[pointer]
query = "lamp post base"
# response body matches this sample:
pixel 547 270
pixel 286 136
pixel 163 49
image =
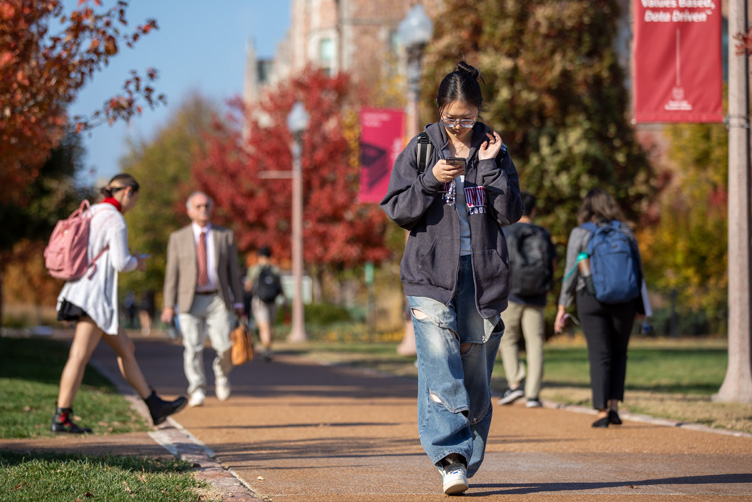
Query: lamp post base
pixel 297 336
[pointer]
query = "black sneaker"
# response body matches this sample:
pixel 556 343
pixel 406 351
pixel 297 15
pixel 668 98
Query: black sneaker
pixel 161 409
pixel 511 395
pixel 533 402
pixel 613 417
pixel 62 422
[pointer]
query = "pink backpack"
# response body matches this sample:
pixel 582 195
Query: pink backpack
pixel 66 255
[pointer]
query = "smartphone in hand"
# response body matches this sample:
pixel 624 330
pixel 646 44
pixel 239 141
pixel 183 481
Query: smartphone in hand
pixel 456 161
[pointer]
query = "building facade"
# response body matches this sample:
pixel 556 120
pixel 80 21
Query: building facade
pixel 354 36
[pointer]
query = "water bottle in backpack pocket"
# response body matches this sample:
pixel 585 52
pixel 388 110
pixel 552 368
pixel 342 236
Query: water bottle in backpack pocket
pixel 614 268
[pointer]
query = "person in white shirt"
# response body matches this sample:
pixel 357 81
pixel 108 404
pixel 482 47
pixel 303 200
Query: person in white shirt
pixel 91 302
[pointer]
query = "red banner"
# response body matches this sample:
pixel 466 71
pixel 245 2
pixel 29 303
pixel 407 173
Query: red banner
pixel 677 61
pixel 381 142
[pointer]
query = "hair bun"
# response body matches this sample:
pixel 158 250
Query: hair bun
pixel 463 66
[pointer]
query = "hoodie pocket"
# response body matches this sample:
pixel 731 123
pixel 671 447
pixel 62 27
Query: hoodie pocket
pixel 492 275
pixel 436 266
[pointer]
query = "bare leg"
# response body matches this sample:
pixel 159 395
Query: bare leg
pixel 265 334
pixel 613 404
pixel 85 339
pixel 145 320
pixel 126 354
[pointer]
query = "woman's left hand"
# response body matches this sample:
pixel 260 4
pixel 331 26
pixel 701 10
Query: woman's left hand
pixel 490 148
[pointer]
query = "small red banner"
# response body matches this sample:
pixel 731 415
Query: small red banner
pixel 381 142
pixel 677 61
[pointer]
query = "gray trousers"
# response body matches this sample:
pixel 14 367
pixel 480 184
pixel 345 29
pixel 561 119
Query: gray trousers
pixel 208 318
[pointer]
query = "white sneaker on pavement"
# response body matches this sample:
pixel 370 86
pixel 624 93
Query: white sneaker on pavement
pixel 454 479
pixel 511 395
pixel 197 398
pixel 222 390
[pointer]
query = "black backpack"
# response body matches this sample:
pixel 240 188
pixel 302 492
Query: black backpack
pixel 530 270
pixel 267 285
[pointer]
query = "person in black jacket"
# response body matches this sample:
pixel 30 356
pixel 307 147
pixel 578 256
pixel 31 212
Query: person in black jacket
pixel 532 261
pixel 455 270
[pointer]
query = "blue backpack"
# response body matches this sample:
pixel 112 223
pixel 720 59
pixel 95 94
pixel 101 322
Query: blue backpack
pixel 613 264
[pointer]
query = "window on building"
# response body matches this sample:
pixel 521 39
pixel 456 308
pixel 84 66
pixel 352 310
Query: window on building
pixel 326 55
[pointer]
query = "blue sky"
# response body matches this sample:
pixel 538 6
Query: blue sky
pixel 199 46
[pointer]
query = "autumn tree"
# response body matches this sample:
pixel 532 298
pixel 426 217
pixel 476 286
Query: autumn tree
pixel 555 91
pixel 46 56
pixel 53 195
pixel 162 167
pixel 686 251
pixel 338 232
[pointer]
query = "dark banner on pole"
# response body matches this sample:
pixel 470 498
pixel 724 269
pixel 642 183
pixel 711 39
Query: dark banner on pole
pixel 677 61
pixel 381 140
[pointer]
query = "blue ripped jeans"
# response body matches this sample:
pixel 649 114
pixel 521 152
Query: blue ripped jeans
pixel 456 354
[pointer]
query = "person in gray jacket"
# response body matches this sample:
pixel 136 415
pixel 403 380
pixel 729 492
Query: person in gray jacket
pixel 455 270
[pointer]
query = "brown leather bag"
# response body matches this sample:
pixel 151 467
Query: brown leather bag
pixel 242 345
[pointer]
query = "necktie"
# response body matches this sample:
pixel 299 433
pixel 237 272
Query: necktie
pixel 203 273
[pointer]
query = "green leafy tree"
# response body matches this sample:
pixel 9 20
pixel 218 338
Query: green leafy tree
pixel 162 167
pixel 686 250
pixel 555 91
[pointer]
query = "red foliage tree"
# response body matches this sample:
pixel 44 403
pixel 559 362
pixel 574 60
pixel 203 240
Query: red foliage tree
pixel 337 231
pixel 43 68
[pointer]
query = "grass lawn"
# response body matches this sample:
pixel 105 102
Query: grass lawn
pixel 30 370
pixel 45 477
pixel 665 377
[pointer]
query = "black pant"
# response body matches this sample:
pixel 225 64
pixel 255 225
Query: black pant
pixel 607 328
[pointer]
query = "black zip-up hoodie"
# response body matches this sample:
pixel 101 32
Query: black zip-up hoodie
pixel 430 263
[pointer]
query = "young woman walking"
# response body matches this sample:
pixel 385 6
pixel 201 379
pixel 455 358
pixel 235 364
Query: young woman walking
pixel 455 270
pixel 91 302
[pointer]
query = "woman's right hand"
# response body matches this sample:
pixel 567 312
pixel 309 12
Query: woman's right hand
pixel 560 320
pixel 445 172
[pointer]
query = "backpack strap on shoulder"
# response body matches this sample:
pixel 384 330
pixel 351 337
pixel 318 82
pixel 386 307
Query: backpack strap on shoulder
pixel 424 151
pixel 590 226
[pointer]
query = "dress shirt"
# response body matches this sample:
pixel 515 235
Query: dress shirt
pixel 211 259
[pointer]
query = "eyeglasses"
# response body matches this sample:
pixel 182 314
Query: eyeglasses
pixel 466 123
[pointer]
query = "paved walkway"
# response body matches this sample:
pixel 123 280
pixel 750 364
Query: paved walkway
pixel 295 430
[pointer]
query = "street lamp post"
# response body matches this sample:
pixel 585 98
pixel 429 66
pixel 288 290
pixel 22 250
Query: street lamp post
pixel 297 123
pixel 414 32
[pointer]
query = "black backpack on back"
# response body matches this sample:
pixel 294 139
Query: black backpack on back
pixel 268 285
pixel 530 270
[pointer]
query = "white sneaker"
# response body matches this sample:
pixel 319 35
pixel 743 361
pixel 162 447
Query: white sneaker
pixel 222 390
pixel 454 477
pixel 197 398
pixel 511 395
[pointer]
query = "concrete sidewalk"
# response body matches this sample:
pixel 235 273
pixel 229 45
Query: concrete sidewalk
pixel 295 430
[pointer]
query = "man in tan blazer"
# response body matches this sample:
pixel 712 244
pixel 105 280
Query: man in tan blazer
pixel 203 279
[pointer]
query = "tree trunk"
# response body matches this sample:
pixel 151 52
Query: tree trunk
pixel 737 386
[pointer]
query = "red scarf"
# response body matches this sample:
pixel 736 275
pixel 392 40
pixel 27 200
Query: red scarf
pixel 114 202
